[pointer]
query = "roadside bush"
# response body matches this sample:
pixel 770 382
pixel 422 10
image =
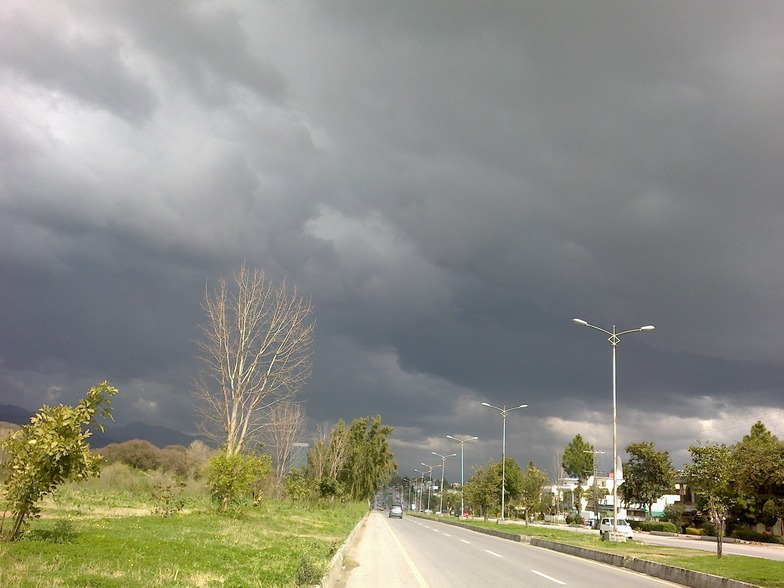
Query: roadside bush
pixel 710 528
pixel 662 526
pixel 749 535
pixel 694 531
pixel 674 513
pixel 309 571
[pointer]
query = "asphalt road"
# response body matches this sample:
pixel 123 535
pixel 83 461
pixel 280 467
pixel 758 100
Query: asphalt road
pixel 426 554
pixel 764 550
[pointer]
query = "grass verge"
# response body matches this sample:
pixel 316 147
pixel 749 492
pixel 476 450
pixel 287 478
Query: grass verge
pixel 91 543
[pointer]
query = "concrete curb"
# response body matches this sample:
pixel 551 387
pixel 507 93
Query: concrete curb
pixel 649 568
pixel 336 564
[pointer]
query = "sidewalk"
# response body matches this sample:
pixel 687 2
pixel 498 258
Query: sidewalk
pixel 377 559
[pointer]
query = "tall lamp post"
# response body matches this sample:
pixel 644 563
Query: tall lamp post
pixel 504 411
pixel 462 441
pixel 614 339
pixel 441 491
pixel 430 486
pixel 418 503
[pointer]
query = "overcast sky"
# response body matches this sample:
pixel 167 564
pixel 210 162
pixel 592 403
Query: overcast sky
pixel 451 182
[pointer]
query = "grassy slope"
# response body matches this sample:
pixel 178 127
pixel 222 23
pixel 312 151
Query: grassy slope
pixel 126 546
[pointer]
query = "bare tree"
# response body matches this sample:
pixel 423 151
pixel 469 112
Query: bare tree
pixel 330 451
pixel 286 425
pixel 256 350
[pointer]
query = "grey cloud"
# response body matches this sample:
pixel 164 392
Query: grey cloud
pixel 452 184
pixel 91 68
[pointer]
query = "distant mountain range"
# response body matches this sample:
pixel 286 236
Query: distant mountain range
pixel 158 436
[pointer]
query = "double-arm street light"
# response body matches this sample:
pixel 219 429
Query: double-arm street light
pixel 430 486
pixel 504 411
pixel 615 338
pixel 443 467
pixel 462 441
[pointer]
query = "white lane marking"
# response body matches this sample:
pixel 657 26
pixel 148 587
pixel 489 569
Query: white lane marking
pixel 447 535
pixel 493 553
pixel 464 541
pixel 549 578
pixel 420 580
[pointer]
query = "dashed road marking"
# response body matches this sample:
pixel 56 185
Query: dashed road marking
pixel 493 553
pixel 557 581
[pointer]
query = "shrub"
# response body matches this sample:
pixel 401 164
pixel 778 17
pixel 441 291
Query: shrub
pixel 174 458
pixel 136 453
pixel 654 526
pixel 749 535
pixel 167 499
pixel 309 572
pixel 694 531
pixel 50 451
pixel 230 478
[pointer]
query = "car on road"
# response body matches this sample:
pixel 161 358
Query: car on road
pixel 623 527
pixel 396 511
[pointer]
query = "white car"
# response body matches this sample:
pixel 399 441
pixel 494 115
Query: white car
pixel 623 527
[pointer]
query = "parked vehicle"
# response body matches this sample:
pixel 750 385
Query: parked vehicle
pixel 623 527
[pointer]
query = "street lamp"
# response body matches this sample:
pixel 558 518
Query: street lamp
pixel 615 338
pixel 443 467
pixel 462 441
pixel 504 411
pixel 419 502
pixel 430 486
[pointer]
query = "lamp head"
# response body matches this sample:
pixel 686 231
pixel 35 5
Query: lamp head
pixel 580 322
pixel 647 328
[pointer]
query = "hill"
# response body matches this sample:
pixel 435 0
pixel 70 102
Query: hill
pixel 158 436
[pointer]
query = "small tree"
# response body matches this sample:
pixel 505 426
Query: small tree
pixel 532 483
pixel 285 427
pixel 481 491
pixel 52 449
pixel 648 474
pixel 759 476
pixel 230 478
pixel 710 475
pixel 513 474
pixel 578 458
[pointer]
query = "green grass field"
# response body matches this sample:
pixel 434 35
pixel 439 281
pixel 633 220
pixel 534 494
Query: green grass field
pixel 94 539
pixel 89 536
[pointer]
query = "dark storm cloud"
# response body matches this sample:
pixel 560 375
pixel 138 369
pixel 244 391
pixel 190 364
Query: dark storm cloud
pixel 451 183
pixel 88 66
